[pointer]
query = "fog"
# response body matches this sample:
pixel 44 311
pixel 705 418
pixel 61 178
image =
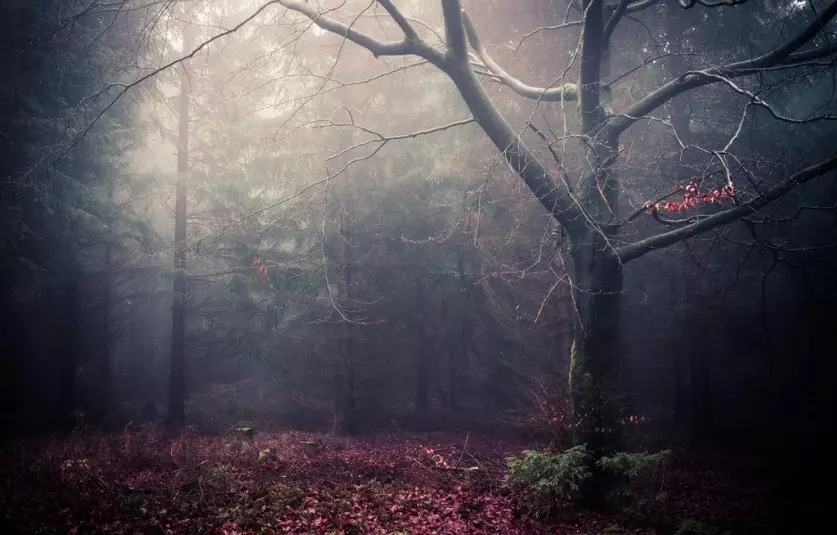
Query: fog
pixel 473 228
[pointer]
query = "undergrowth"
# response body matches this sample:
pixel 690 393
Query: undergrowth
pixel 545 480
pixel 141 480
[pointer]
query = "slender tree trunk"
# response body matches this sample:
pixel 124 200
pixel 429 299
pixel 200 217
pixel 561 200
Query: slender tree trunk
pixel 678 358
pixel 422 397
pixel 105 341
pixel 177 396
pixel 450 397
pixel 70 313
pixel 134 356
pixel 460 363
pixel 422 394
pixel 453 389
pixel 700 384
pixel 347 389
pixel 680 390
pixel 699 367
pixel 460 368
pixel 14 348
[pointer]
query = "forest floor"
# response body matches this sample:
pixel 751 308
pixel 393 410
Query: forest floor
pixel 302 483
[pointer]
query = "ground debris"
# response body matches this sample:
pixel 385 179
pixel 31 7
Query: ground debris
pixel 384 484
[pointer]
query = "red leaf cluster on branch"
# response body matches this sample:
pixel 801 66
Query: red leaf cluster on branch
pixel 261 270
pixel 693 198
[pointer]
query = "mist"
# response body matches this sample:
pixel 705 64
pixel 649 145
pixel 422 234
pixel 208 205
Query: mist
pixel 417 266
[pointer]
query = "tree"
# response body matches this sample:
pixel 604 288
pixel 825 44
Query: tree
pixel 588 209
pixel 58 218
pixel 177 394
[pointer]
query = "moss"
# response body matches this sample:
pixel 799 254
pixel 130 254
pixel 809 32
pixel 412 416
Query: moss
pixel 580 381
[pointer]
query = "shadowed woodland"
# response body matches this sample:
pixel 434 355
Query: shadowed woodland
pixel 417 266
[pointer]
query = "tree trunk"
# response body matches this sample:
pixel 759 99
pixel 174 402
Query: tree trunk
pixel 12 351
pixel 450 397
pixel 701 385
pixel 105 339
pixel 135 355
pixel 680 413
pixel 177 396
pixel 70 313
pixel 699 370
pixel 594 365
pixel 453 389
pixel 422 399
pixel 678 108
pixel 346 386
pixel 460 368
pixel 594 357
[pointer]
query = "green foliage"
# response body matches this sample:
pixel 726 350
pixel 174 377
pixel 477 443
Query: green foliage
pixel 694 527
pixel 267 454
pixel 632 465
pixel 220 477
pixel 544 478
pixel 638 479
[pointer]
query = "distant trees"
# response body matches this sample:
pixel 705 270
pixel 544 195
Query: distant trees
pixel 63 230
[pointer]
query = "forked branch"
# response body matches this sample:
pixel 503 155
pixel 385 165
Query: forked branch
pixel 410 45
pixel 551 94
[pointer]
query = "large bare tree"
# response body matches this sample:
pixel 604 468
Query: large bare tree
pixel 587 208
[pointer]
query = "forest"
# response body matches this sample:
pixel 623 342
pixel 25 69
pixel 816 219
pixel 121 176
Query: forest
pixel 413 267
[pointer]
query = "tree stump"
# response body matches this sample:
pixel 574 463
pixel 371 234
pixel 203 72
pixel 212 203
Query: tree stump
pixel 244 432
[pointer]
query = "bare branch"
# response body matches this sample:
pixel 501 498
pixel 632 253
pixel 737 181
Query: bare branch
pixel 399 19
pixel 636 7
pixel 565 24
pixel 454 31
pixel 541 135
pixel 755 100
pixel 376 47
pixel 688 4
pixel 796 215
pixel 383 139
pixel 688 81
pixel 646 207
pixel 414 20
pixel 613 21
pixel 550 94
pixel 640 248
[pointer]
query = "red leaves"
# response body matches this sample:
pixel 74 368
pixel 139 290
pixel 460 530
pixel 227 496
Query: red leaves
pixel 261 270
pixel 692 198
pixel 437 460
pixel 377 487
